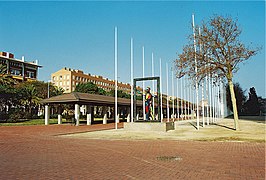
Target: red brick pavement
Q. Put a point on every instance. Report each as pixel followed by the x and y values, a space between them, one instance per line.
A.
pixel 37 152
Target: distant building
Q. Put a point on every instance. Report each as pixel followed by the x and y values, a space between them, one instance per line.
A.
pixel 19 69
pixel 68 79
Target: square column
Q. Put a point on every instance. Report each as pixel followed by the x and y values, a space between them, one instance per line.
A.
pixel 104 115
pixel 118 114
pixel 47 114
pixel 89 115
pixel 77 112
pixel 59 119
pixel 128 114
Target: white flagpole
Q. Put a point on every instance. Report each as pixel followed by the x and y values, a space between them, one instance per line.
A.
pixel 173 94
pixel 131 77
pixel 210 98
pixel 207 98
pixel 222 99
pixel 185 94
pixel 191 100
pixel 116 120
pixel 177 101
pixel 213 96
pixel 196 70
pixel 181 97
pixel 219 100
pixel 143 83
pixel 202 93
pixel 161 90
pixel 167 92
pixel 188 99
pixel 153 85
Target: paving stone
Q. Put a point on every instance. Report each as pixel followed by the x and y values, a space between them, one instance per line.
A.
pixel 39 152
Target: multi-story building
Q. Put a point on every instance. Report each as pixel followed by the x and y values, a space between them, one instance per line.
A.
pixel 19 69
pixel 67 79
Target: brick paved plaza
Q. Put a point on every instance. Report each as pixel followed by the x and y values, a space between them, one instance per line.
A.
pixel 39 152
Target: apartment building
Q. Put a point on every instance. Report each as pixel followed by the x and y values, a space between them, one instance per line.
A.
pixel 68 78
pixel 19 69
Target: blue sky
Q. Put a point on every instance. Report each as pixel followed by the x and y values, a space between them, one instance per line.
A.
pixel 80 35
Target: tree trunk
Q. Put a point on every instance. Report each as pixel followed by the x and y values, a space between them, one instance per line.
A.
pixel 233 98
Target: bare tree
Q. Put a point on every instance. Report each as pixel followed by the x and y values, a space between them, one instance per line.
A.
pixel 219 55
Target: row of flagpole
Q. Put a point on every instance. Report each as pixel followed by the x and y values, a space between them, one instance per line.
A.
pixel 188 99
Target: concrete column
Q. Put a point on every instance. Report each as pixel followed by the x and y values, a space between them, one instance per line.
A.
pixel 84 109
pixel 77 112
pixel 118 114
pixel 59 119
pixel 104 115
pixel 109 112
pixel 156 117
pixel 123 113
pixel 47 114
pixel 128 114
pixel 88 119
pixel 89 115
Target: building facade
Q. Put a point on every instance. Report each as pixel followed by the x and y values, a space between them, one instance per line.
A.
pixel 68 79
pixel 19 69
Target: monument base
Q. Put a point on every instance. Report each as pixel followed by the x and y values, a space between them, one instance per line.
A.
pixel 149 126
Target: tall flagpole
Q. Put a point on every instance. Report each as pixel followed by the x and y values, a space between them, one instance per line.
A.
pixel 207 98
pixel 167 92
pixel 153 85
pixel 188 99
pixel 131 76
pixel 161 90
pixel 212 97
pixel 202 93
pixel 177 101
pixel 222 99
pixel 173 94
pixel 116 120
pixel 184 95
pixel 196 70
pixel 143 83
pixel 181 97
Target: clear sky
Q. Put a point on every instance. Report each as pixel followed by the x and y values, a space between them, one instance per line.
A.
pixel 80 35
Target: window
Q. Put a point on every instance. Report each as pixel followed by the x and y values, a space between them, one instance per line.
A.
pixel 60 77
pixel 67 83
pixel 60 83
pixel 15 72
pixel 73 77
pixel 54 78
pixel 67 77
pixel 30 74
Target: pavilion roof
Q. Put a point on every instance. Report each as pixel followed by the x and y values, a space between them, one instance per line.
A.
pixel 85 98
